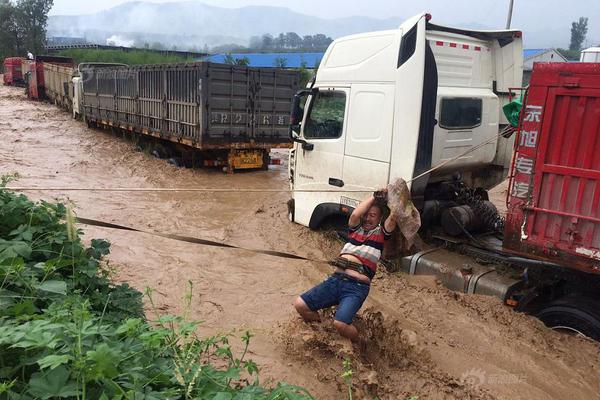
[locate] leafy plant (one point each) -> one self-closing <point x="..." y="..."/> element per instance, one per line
<point x="347" y="376"/>
<point x="67" y="332"/>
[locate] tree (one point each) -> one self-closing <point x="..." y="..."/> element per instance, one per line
<point x="279" y="42"/>
<point x="8" y="30"/>
<point x="578" y="31"/>
<point x="245" y="61"/>
<point x="307" y="42"/>
<point x="293" y="41"/>
<point x="267" y="41"/>
<point x="231" y="60"/>
<point x="280" y="62"/>
<point x="320" y="41"/>
<point x="32" y="19"/>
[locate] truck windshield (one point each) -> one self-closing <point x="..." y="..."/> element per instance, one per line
<point x="326" y="116"/>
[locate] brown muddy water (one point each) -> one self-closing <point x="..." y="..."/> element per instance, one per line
<point x="424" y="340"/>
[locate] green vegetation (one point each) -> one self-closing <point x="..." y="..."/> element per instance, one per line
<point x="134" y="57"/>
<point x="347" y="376"/>
<point x="23" y="26"/>
<point x="284" y="42"/>
<point x="579" y="30"/>
<point x="67" y="332"/>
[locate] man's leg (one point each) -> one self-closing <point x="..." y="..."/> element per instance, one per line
<point x="306" y="313"/>
<point x="346" y="330"/>
<point x="324" y="295"/>
<point x="353" y="297"/>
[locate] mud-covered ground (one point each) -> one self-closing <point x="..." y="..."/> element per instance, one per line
<point x="423" y="340"/>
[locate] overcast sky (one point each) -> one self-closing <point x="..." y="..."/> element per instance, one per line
<point x="534" y="15"/>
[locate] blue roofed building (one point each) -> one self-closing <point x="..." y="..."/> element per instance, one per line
<point x="273" y="60"/>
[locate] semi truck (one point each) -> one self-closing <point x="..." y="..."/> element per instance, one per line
<point x="53" y="69"/>
<point x="425" y="102"/>
<point x="211" y="114"/>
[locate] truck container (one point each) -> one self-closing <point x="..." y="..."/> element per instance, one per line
<point x="58" y="84"/>
<point x="77" y="94"/>
<point x="36" y="83"/>
<point x="233" y="114"/>
<point x="554" y="204"/>
<point x="13" y="71"/>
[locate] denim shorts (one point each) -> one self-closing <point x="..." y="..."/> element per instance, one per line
<point x="339" y="289"/>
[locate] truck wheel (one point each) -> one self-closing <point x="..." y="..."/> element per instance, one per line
<point x="573" y="314"/>
<point x="266" y="160"/>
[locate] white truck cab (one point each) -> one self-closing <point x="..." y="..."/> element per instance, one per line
<point x="396" y="103"/>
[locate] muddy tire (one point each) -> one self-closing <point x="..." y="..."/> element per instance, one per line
<point x="573" y="314"/>
<point x="176" y="161"/>
<point x="266" y="160"/>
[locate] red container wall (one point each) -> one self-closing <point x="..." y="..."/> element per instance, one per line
<point x="12" y="70"/>
<point x="36" y="80"/>
<point x="554" y="203"/>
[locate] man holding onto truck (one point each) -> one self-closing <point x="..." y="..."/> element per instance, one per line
<point x="349" y="285"/>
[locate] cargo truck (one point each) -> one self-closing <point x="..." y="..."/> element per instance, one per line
<point x="398" y="103"/>
<point x="213" y="114"/>
<point x="36" y="79"/>
<point x="13" y="71"/>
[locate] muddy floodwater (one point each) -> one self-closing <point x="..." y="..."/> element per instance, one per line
<point x="424" y="340"/>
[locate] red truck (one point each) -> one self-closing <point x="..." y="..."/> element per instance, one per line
<point x="546" y="259"/>
<point x="553" y="213"/>
<point x="35" y="75"/>
<point x="13" y="73"/>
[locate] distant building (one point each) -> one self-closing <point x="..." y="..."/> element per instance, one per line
<point x="273" y="60"/>
<point x="590" y="55"/>
<point x="538" y="55"/>
<point x="64" y="41"/>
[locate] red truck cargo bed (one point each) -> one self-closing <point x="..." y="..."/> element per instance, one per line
<point x="554" y="200"/>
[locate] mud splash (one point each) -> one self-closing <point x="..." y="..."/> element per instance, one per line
<point x="392" y="363"/>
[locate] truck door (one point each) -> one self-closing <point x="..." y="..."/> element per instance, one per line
<point x="320" y="168"/>
<point x="368" y="138"/>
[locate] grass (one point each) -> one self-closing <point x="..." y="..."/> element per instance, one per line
<point x="135" y="57"/>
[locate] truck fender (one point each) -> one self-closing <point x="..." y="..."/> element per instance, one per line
<point x="325" y="210"/>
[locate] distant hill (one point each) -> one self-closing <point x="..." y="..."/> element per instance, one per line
<point x="194" y="23"/>
<point x="189" y="24"/>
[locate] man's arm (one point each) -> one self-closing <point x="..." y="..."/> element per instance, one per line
<point x="360" y="210"/>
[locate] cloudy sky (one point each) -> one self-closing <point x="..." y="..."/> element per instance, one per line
<point x="529" y="15"/>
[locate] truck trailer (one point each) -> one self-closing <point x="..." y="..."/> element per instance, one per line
<point x="220" y="115"/>
<point x="36" y="80"/>
<point x="425" y="103"/>
<point x="58" y="84"/>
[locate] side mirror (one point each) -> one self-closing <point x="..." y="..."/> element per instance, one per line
<point x="297" y="111"/>
<point x="297" y="114"/>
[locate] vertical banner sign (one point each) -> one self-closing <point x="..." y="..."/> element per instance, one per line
<point x="526" y="151"/>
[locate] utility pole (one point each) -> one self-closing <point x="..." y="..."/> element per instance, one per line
<point x="509" y="18"/>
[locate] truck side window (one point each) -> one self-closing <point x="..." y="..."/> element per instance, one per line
<point x="460" y="113"/>
<point x="326" y="116"/>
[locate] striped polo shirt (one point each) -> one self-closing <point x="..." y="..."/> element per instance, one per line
<point x="367" y="246"/>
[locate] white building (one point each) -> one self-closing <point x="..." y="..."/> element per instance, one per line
<point x="538" y="55"/>
<point x="590" y="55"/>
